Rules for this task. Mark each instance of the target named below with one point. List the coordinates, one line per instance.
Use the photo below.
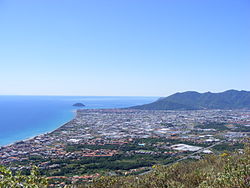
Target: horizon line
(75, 95)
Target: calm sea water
(23, 117)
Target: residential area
(125, 141)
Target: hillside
(191, 100)
(228, 170)
(224, 171)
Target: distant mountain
(191, 100)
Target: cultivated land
(126, 142)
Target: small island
(79, 105)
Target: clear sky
(123, 47)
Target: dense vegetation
(231, 99)
(16, 180)
(224, 171)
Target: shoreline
(42, 134)
(57, 116)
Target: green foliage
(225, 171)
(228, 147)
(90, 165)
(120, 165)
(8, 179)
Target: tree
(9, 179)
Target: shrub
(34, 180)
(224, 171)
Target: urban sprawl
(106, 133)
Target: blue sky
(123, 47)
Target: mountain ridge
(193, 100)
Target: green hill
(191, 100)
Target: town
(126, 141)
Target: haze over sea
(22, 117)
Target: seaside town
(96, 137)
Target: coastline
(75, 112)
(39, 115)
(42, 134)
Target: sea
(23, 117)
